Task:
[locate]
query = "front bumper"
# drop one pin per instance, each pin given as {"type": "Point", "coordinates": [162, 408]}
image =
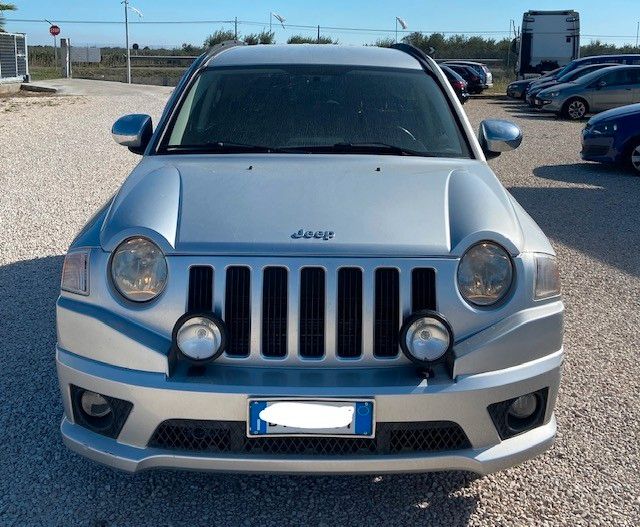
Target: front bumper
{"type": "Point", "coordinates": [516, 92]}
{"type": "Point", "coordinates": [400, 396]}
{"type": "Point", "coordinates": [548, 105]}
{"type": "Point", "coordinates": [598, 148]}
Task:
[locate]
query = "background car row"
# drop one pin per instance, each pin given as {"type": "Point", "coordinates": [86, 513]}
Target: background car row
{"type": "Point", "coordinates": [607, 83]}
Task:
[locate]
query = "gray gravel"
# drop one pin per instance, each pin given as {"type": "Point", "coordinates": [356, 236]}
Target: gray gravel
{"type": "Point", "coordinates": [58, 164]}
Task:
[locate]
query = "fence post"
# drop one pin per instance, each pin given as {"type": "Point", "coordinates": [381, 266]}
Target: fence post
{"type": "Point", "coordinates": [65, 56]}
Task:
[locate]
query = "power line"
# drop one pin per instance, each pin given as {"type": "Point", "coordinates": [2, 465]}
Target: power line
{"type": "Point", "coordinates": [366, 30]}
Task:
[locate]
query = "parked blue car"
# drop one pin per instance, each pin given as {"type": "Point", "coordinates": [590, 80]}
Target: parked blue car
{"type": "Point", "coordinates": [613, 137]}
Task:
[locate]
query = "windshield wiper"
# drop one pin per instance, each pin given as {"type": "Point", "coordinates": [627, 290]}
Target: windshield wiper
{"type": "Point", "coordinates": [221, 147]}
{"type": "Point", "coordinates": [357, 148]}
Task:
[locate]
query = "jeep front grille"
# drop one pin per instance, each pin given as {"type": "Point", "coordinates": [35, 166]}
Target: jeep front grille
{"type": "Point", "coordinates": [312, 313]}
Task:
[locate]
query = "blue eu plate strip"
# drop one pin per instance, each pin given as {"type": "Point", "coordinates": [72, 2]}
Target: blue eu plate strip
{"type": "Point", "coordinates": [364, 418]}
{"type": "Point", "coordinates": [256, 425]}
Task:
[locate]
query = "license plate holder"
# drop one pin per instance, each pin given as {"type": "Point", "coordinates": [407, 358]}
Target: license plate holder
{"type": "Point", "coordinates": [305, 417]}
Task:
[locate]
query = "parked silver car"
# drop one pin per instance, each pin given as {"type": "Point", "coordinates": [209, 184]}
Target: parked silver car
{"type": "Point", "coordinates": [595, 92]}
{"type": "Point", "coordinates": [312, 269]}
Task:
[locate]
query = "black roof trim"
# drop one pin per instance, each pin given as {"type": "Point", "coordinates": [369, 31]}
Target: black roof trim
{"type": "Point", "coordinates": [416, 53]}
{"type": "Point", "coordinates": [219, 48]}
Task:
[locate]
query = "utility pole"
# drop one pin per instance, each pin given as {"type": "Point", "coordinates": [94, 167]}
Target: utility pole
{"type": "Point", "coordinates": [637, 32]}
{"type": "Point", "coordinates": [126, 38]}
{"type": "Point", "coordinates": [235, 31]}
{"type": "Point", "coordinates": [318, 38]}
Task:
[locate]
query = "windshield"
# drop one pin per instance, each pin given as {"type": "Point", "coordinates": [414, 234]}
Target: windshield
{"type": "Point", "coordinates": [303, 108]}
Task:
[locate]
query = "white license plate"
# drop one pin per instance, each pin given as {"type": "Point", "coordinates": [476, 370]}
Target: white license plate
{"type": "Point", "coordinates": [297, 417]}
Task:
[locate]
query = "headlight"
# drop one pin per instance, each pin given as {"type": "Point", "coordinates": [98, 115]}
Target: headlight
{"type": "Point", "coordinates": [547, 283]}
{"type": "Point", "coordinates": [200, 337]}
{"type": "Point", "coordinates": [485, 274]}
{"type": "Point", "coordinates": [426, 337]}
{"type": "Point", "coordinates": [75, 273]}
{"type": "Point", "coordinates": [604, 129]}
{"type": "Point", "coordinates": [550, 94]}
{"type": "Point", "coordinates": [139, 269]}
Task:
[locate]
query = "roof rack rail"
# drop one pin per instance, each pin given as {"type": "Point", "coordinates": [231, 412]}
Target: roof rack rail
{"type": "Point", "coordinates": [219, 48]}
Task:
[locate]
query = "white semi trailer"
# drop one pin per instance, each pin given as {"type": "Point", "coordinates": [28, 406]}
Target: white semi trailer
{"type": "Point", "coordinates": [548, 40]}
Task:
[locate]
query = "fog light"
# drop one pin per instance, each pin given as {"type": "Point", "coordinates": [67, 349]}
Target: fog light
{"type": "Point", "coordinates": [426, 337]}
{"type": "Point", "coordinates": [94, 405]}
{"type": "Point", "coordinates": [524, 406]}
{"type": "Point", "coordinates": [200, 337]}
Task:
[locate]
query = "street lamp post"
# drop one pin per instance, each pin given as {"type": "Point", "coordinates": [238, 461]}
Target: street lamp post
{"type": "Point", "coordinates": [403, 25]}
{"type": "Point", "coordinates": [126, 34]}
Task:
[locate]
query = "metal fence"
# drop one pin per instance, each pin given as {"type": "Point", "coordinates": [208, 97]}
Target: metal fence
{"type": "Point", "coordinates": [14, 62]}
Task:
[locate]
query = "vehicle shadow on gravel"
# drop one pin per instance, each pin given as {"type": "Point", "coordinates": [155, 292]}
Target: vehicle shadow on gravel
{"type": "Point", "coordinates": [598, 214]}
{"type": "Point", "coordinates": [522, 110]}
{"type": "Point", "coordinates": [41, 482]}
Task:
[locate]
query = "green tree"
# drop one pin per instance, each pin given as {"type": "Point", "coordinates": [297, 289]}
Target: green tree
{"type": "Point", "coordinates": [301, 39]}
{"type": "Point", "coordinates": [384, 42]}
{"type": "Point", "coordinates": [264, 37]}
{"type": "Point", "coordinates": [5, 7]}
{"type": "Point", "coordinates": [221, 35]}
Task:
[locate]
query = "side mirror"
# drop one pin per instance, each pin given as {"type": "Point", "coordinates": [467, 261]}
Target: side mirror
{"type": "Point", "coordinates": [134, 131]}
{"type": "Point", "coordinates": [497, 136]}
{"type": "Point", "coordinates": [601, 84]}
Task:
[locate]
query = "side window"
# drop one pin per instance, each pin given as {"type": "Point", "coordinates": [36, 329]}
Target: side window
{"type": "Point", "coordinates": [634, 76]}
{"type": "Point", "coordinates": [634, 61]}
{"type": "Point", "coordinates": [617, 78]}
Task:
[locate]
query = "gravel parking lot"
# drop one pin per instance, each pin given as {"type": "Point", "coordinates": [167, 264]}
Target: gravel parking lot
{"type": "Point", "coordinates": [58, 164]}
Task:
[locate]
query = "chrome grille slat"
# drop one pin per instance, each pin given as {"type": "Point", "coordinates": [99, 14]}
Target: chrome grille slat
{"type": "Point", "coordinates": [368, 310]}
{"type": "Point", "coordinates": [331, 310]}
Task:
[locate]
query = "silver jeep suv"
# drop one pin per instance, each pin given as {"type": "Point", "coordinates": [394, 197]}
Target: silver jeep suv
{"type": "Point", "coordinates": [312, 270]}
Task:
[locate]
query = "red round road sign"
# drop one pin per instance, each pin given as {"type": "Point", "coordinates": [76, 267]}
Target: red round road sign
{"type": "Point", "coordinates": [54, 30]}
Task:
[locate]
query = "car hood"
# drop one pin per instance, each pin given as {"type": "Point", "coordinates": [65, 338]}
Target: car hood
{"type": "Point", "coordinates": [563, 87]}
{"type": "Point", "coordinates": [615, 113]}
{"type": "Point", "coordinates": [352, 205]}
{"type": "Point", "coordinates": [542, 85]}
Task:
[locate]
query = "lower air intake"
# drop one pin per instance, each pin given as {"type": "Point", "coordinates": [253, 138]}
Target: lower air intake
{"type": "Point", "coordinates": [229, 437]}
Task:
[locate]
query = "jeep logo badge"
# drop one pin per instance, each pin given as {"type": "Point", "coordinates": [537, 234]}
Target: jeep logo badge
{"type": "Point", "coordinates": [318, 235]}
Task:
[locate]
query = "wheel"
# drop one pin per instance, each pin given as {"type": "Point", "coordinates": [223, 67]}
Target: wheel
{"type": "Point", "coordinates": [634, 158]}
{"type": "Point", "coordinates": [575, 109]}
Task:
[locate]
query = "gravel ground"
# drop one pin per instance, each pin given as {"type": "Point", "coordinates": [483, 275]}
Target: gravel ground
{"type": "Point", "coordinates": [58, 165]}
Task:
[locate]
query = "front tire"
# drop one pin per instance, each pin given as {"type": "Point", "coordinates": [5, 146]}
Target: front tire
{"type": "Point", "coordinates": [575, 109]}
{"type": "Point", "coordinates": [633, 158]}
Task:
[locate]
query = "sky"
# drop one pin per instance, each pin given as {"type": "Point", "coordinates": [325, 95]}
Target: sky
{"type": "Point", "coordinates": [610, 20]}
